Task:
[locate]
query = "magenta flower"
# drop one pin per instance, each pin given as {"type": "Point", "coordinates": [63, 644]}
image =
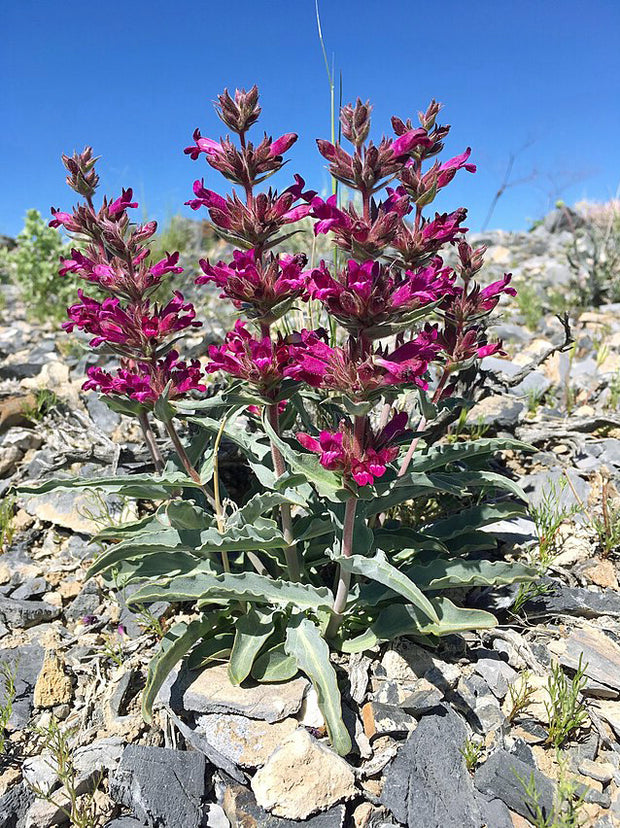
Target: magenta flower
{"type": "Point", "coordinates": [133, 327]}
{"type": "Point", "coordinates": [146, 382]}
{"type": "Point", "coordinates": [259, 362]}
{"type": "Point", "coordinates": [255, 222]}
{"type": "Point", "coordinates": [448, 169]}
{"type": "Point", "coordinates": [122, 203]}
{"type": "Point", "coordinates": [206, 145]}
{"type": "Point", "coordinates": [251, 281]}
{"type": "Point", "coordinates": [370, 294]}
{"type": "Point", "coordinates": [113, 274]}
{"type": "Point", "coordinates": [364, 463]}
{"type": "Point", "coordinates": [359, 376]}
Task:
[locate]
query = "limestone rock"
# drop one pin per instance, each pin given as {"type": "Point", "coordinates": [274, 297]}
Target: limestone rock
{"type": "Point", "coordinates": [53, 684]}
{"type": "Point", "coordinates": [302, 777]}
{"type": "Point", "coordinates": [599, 653]}
{"type": "Point", "coordinates": [247, 742]}
{"type": "Point", "coordinates": [213, 692]}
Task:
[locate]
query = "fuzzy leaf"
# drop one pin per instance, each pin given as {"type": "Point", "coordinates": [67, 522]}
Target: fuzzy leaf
{"type": "Point", "coordinates": [472, 518]}
{"type": "Point", "coordinates": [380, 570]}
{"type": "Point", "coordinates": [252, 632]}
{"type": "Point", "coordinates": [449, 574]}
{"type": "Point", "coordinates": [174, 646]}
{"type": "Point", "coordinates": [311, 652]}
{"type": "Point", "coordinates": [402, 619]}
{"type": "Point", "coordinates": [248, 586]}
{"type": "Point", "coordinates": [274, 665]}
{"type": "Point", "coordinates": [135, 485]}
{"type": "Point", "coordinates": [439, 456]}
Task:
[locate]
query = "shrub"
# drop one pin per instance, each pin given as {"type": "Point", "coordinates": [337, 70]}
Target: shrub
{"type": "Point", "coordinates": [33, 266]}
{"type": "Point", "coordinates": [304, 561]}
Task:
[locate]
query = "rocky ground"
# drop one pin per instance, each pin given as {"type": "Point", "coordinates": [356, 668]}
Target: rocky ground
{"type": "Point", "coordinates": [458, 736]}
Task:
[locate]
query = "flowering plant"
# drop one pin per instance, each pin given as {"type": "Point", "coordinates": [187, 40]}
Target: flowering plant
{"type": "Point", "coordinates": [332, 422]}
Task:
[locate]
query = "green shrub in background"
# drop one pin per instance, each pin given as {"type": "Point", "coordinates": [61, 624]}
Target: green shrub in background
{"type": "Point", "coordinates": [33, 266]}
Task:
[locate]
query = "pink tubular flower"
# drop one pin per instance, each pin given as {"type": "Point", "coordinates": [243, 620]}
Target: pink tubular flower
{"type": "Point", "coordinates": [145, 382]}
{"type": "Point", "coordinates": [206, 145]}
{"type": "Point", "coordinates": [122, 203]}
{"type": "Point", "coordinates": [359, 376]}
{"type": "Point", "coordinates": [363, 463]}
{"type": "Point", "coordinates": [257, 361]}
{"type": "Point", "coordinates": [369, 294]}
{"type": "Point", "coordinates": [251, 281]}
{"type": "Point", "coordinates": [113, 275]}
{"type": "Point", "coordinates": [253, 223]}
{"type": "Point", "coordinates": [135, 327]}
{"type": "Point", "coordinates": [448, 169]}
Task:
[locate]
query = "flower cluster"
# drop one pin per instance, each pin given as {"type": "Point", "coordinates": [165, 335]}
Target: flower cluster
{"type": "Point", "coordinates": [116, 259]}
{"type": "Point", "coordinates": [360, 457]}
{"type": "Point", "coordinates": [394, 275]}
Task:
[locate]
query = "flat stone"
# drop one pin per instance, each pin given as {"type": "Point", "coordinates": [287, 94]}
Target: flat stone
{"type": "Point", "coordinates": [610, 712]}
{"type": "Point", "coordinates": [90, 761]}
{"type": "Point", "coordinates": [53, 685]}
{"type": "Point", "coordinates": [499, 411]}
{"type": "Point", "coordinates": [85, 603]}
{"type": "Point", "coordinates": [30, 588]}
{"type": "Point", "coordinates": [427, 784]}
{"type": "Point", "coordinates": [124, 822]}
{"type": "Point", "coordinates": [503, 777]}
{"type": "Point", "coordinates": [497, 673]}
{"type": "Point", "coordinates": [600, 655]}
{"type": "Point", "coordinates": [582, 603]}
{"type": "Point", "coordinates": [302, 777]}
{"type": "Point", "coordinates": [602, 573]}
{"type": "Point", "coordinates": [379, 719]}
{"type": "Point", "coordinates": [67, 508]}
{"type": "Point", "coordinates": [241, 808]}
{"type": "Point", "coordinates": [213, 692]}
{"type": "Point", "coordinates": [247, 742]}
{"type": "Point", "coordinates": [41, 771]}
{"type": "Point", "coordinates": [163, 787]}
{"type": "Point", "coordinates": [24, 614]}
{"type": "Point", "coordinates": [601, 771]}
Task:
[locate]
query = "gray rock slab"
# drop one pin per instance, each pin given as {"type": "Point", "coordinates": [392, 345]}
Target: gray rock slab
{"type": "Point", "coordinates": [14, 805]}
{"type": "Point", "coordinates": [124, 822]}
{"type": "Point", "coordinates": [600, 655]}
{"type": "Point", "coordinates": [24, 614]}
{"type": "Point", "coordinates": [427, 784]}
{"type": "Point", "coordinates": [583, 603]}
{"type": "Point", "coordinates": [503, 777]}
{"type": "Point", "coordinates": [497, 673]}
{"type": "Point", "coordinates": [163, 787]}
{"type": "Point", "coordinates": [25, 662]}
{"type": "Point", "coordinates": [85, 603]}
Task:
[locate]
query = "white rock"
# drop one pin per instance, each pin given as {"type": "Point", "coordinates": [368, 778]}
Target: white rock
{"type": "Point", "coordinates": [302, 777]}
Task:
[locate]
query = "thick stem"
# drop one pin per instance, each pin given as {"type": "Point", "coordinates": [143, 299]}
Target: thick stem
{"type": "Point", "coordinates": [191, 471]}
{"type": "Point", "coordinates": [292, 558]}
{"type": "Point", "coordinates": [344, 577]}
{"type": "Point", "coordinates": [151, 443]}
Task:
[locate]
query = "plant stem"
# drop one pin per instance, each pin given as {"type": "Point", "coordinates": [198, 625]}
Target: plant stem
{"type": "Point", "coordinates": [191, 471]}
{"type": "Point", "coordinates": [151, 443]}
{"type": "Point", "coordinates": [219, 514]}
{"type": "Point", "coordinates": [292, 559]}
{"type": "Point", "coordinates": [344, 577]}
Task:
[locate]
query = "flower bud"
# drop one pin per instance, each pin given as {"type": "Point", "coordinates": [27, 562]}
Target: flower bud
{"type": "Point", "coordinates": [82, 176]}
{"type": "Point", "coordinates": [239, 114]}
{"type": "Point", "coordinates": [355, 121]}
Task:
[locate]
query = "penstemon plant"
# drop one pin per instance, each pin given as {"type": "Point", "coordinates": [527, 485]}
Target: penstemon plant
{"type": "Point", "coordinates": [332, 422]}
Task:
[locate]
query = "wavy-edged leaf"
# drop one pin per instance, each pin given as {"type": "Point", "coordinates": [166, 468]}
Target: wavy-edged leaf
{"type": "Point", "coordinates": [252, 631]}
{"type": "Point", "coordinates": [309, 526]}
{"type": "Point", "coordinates": [274, 665]}
{"type": "Point", "coordinates": [128, 530]}
{"type": "Point", "coordinates": [311, 652]}
{"type": "Point", "coordinates": [183, 514]}
{"type": "Point", "coordinates": [380, 570]}
{"type": "Point", "coordinates": [472, 518]}
{"type": "Point", "coordinates": [174, 646]}
{"type": "Point", "coordinates": [247, 586]}
{"type": "Point", "coordinates": [134, 485]}
{"type": "Point", "coordinates": [261, 503]}
{"type": "Point", "coordinates": [449, 574]}
{"type": "Point", "coordinates": [439, 456]}
{"type": "Point", "coordinates": [164, 541]}
{"type": "Point", "coordinates": [405, 538]}
{"type": "Point", "coordinates": [405, 619]}
{"type": "Point", "coordinates": [327, 483]}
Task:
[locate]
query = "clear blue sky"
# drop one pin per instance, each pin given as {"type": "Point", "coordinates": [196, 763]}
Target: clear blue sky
{"type": "Point", "coordinates": [135, 78]}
